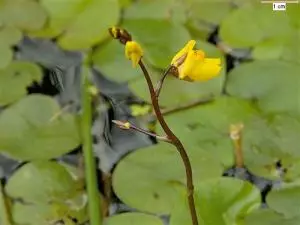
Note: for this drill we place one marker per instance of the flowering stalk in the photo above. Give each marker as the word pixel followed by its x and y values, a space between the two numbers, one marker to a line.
pixel 176 142
pixel 134 53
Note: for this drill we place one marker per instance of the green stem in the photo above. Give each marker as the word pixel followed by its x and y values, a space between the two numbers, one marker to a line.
pixel 5 215
pixel 89 160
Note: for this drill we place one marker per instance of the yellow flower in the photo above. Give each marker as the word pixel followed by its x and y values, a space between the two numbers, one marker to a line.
pixel 134 52
pixel 193 66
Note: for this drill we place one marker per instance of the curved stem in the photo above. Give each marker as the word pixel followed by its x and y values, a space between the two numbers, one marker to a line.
pixel 175 141
pixel 161 81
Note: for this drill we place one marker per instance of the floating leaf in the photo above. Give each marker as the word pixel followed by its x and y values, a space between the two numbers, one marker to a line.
pixel 273 83
pixel 124 3
pixel 61 14
pixel 132 219
pixel 249 25
pixel 160 39
pixel 285 200
pixel 111 61
pixel 10 35
pixel 265 139
pixel 221 201
pixel 43 214
pixel 6 56
pixel 29 133
pixel 24 14
pixel 54 181
pixel 269 217
pixel 209 11
pixel 91 25
pixel 268 49
pixel 15 78
pixel 146 9
pixel 207 125
pixel 31 214
pixel 149 179
pixel 205 15
pixel 293 12
pixel 185 91
pixel 291 52
pixel 287 50
pixel 58 197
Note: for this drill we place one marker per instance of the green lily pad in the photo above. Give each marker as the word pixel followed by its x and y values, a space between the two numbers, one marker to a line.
pixel 205 15
pixel 26 15
pixel 28 133
pixel 149 179
pixel 54 182
pixel 160 39
pixel 287 50
pixel 6 56
pixel 15 78
pixel 269 217
pixel 91 25
pixel 249 25
pixel 124 3
pixel 221 201
pixel 185 91
pixel 209 11
pixel 61 14
pixel 133 219
pixel 207 126
pixel 43 214
pixel 268 49
pixel 174 10
pixel 272 83
pixel 293 12
pixel 291 52
pixel 265 138
pixel 292 170
pixel 145 9
pixel 285 200
pixel 58 197
pixel 111 61
pixel 31 214
pixel 10 35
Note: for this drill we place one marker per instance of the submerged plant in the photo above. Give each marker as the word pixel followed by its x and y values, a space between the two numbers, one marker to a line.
pixel 188 64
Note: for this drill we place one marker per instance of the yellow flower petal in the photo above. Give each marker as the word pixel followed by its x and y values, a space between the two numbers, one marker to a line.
pixel 183 52
pixel 134 52
pixel 191 63
pixel 206 70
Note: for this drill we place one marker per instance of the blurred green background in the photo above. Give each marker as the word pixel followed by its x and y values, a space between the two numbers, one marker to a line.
pixel 259 86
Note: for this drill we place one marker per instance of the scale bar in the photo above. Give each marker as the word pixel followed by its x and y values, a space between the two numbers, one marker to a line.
pixel 286 1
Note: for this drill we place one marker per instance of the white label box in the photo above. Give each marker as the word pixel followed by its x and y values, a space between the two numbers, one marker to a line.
pixel 279 6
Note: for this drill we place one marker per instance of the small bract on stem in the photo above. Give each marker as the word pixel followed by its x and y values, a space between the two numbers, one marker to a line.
pixel 128 126
pixel 187 64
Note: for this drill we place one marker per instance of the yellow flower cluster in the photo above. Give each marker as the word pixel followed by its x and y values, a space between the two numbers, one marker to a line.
pixel 193 66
